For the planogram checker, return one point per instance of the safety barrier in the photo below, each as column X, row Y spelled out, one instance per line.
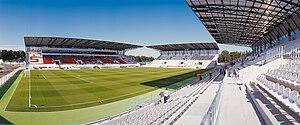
column 8, row 76
column 212, row 115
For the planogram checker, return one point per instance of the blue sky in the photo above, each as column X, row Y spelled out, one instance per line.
column 142, row 22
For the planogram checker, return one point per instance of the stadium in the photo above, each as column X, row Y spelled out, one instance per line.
column 188, row 55
column 70, row 53
column 72, row 80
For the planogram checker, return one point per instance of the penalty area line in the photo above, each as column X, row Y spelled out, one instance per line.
column 99, row 101
column 78, row 77
column 44, row 76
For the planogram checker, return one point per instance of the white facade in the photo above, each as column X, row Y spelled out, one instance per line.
column 186, row 59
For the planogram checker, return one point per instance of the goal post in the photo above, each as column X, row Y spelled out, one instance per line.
column 27, row 73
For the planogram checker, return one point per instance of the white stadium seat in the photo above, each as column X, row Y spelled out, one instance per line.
column 287, row 76
column 293, row 96
column 280, row 90
column 298, row 80
column 275, row 89
column 293, row 77
column 298, row 102
column 286, row 93
column 271, row 85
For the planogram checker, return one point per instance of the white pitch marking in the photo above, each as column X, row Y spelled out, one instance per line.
column 44, row 76
column 83, row 79
column 29, row 92
column 90, row 101
column 34, row 105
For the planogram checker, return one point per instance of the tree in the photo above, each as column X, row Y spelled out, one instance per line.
column 10, row 55
column 224, row 56
column 141, row 58
column 227, row 56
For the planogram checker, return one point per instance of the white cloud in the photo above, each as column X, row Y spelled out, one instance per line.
column 11, row 47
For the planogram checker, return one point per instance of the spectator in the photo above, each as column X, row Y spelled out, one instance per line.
column 234, row 73
column 237, row 73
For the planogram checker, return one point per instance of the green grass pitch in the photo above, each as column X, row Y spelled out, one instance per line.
column 56, row 90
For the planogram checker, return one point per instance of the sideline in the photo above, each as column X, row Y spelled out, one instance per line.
column 17, row 81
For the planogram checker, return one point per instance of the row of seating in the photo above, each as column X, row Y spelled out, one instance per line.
column 291, row 95
column 294, row 61
column 295, row 53
column 88, row 61
column 200, row 57
column 285, row 76
column 128, row 60
column 289, row 72
column 158, row 114
column 186, row 57
column 290, row 68
column 49, row 60
column 67, row 61
column 79, row 52
column 163, row 113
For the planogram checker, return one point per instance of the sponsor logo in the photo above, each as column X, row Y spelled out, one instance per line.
column 34, row 58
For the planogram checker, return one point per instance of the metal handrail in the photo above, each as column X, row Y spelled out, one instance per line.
column 212, row 115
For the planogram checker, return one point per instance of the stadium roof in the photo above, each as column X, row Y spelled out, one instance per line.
column 245, row 22
column 186, row 46
column 59, row 42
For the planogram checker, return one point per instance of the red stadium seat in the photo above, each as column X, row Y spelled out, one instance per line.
column 106, row 60
column 121, row 61
column 47, row 61
column 67, row 61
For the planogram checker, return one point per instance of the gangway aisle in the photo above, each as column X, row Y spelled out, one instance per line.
column 235, row 107
column 196, row 112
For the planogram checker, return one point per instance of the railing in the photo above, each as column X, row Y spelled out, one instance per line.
column 140, row 101
column 8, row 76
column 128, row 105
column 278, row 51
column 212, row 115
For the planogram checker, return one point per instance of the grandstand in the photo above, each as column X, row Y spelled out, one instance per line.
column 271, row 78
column 75, row 53
column 262, row 88
column 187, row 55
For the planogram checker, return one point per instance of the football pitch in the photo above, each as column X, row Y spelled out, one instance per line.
column 57, row 90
